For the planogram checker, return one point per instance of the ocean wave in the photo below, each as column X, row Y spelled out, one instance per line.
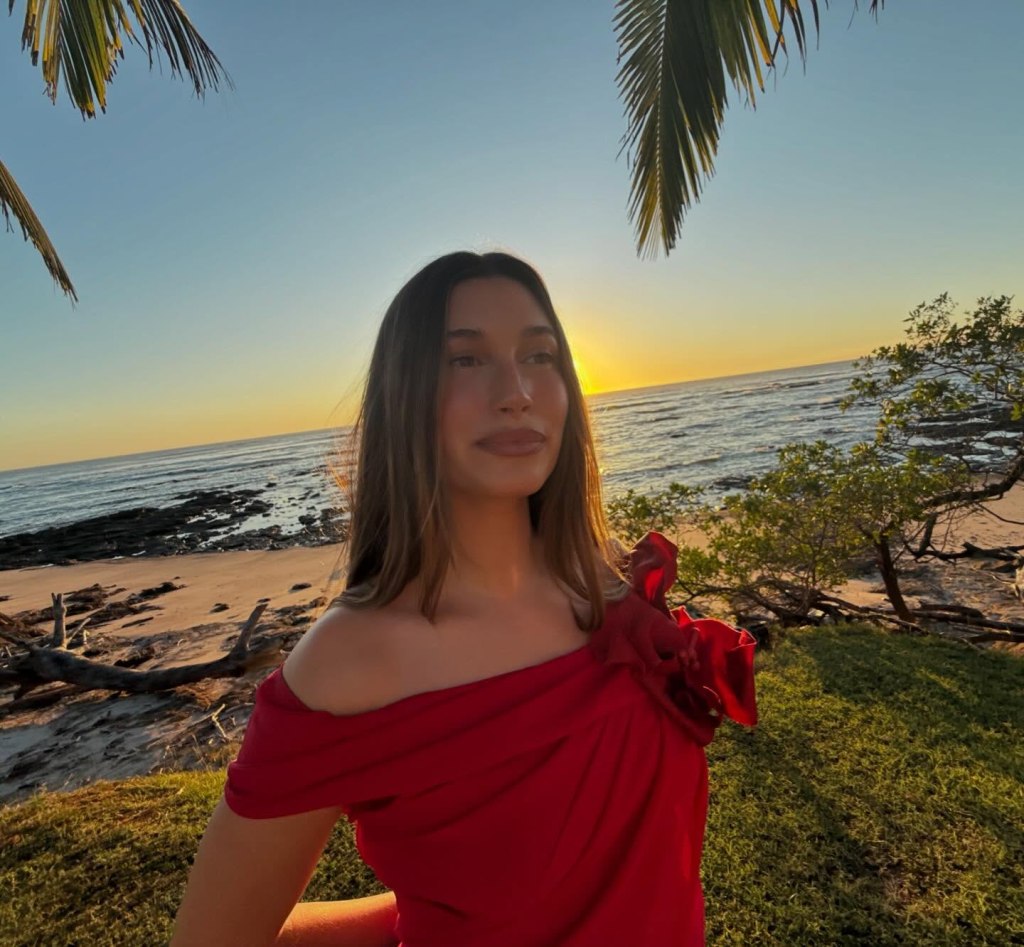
column 698, row 432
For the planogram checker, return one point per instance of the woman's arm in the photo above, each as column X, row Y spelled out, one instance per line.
column 248, row 875
column 361, row 922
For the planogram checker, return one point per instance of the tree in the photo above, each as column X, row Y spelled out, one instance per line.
column 794, row 534
column 81, row 41
column 953, row 389
column 950, row 438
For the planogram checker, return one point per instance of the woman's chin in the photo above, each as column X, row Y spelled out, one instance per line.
column 504, row 488
column 500, row 478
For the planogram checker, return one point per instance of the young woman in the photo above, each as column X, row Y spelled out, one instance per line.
column 507, row 712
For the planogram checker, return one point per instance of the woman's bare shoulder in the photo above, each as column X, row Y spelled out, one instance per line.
column 349, row 660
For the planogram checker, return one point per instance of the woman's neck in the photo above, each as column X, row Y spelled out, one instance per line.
column 495, row 553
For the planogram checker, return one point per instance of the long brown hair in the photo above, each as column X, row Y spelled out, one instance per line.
column 398, row 529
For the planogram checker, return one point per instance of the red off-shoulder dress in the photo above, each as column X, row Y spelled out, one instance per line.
column 559, row 805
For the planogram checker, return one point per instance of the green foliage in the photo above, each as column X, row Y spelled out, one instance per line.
column 80, row 42
column 797, row 529
column 699, row 572
column 946, row 367
column 877, row 802
column 632, row 515
column 790, row 525
column 884, row 498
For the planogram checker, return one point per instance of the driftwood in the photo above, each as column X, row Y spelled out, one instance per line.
column 970, row 551
column 961, row 616
column 53, row 662
column 49, row 697
column 793, row 605
column 962, row 610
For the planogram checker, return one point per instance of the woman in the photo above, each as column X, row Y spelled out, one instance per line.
column 516, row 732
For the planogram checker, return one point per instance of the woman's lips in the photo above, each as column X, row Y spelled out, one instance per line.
column 513, row 443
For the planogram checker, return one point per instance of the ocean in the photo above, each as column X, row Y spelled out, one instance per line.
column 714, row 433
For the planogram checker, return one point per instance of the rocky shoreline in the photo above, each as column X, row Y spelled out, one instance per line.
column 204, row 521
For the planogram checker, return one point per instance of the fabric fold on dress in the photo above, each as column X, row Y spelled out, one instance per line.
column 701, row 670
column 556, row 804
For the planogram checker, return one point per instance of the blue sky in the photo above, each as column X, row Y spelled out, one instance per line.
column 233, row 256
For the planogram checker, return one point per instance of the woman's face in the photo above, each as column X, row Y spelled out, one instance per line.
column 503, row 401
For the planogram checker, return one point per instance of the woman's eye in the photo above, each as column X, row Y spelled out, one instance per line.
column 542, row 358
column 463, row 361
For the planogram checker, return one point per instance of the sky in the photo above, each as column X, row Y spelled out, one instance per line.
column 233, row 256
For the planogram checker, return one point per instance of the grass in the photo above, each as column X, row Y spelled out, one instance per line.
column 880, row 801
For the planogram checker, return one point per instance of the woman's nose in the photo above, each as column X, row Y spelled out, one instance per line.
column 512, row 388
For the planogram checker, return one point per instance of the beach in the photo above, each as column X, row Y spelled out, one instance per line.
column 189, row 608
column 95, row 735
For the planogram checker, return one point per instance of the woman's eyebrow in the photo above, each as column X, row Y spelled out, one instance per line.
column 477, row 334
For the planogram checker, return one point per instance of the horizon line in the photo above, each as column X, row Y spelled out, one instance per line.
column 263, row 437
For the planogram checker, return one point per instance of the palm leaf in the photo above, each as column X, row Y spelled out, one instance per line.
column 675, row 57
column 13, row 202
column 80, row 41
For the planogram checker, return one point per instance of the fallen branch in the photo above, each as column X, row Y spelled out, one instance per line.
column 46, row 665
column 994, row 636
column 1015, row 628
column 960, row 616
column 964, row 610
column 874, row 612
column 38, row 701
column 970, row 551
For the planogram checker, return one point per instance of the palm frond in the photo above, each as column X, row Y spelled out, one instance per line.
column 80, row 41
column 674, row 59
column 13, row 202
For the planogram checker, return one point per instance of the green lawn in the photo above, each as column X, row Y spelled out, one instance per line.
column 880, row 801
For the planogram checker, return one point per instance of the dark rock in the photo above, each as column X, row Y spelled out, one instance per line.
column 75, row 603
column 205, row 521
column 220, row 607
column 161, row 589
column 733, row 482
column 299, row 586
column 139, row 531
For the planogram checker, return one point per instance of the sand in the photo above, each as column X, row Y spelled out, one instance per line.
column 977, row 583
column 101, row 736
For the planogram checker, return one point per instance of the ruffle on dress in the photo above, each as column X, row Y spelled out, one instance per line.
column 700, row 670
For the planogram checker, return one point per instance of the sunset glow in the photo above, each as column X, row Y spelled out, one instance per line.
column 243, row 300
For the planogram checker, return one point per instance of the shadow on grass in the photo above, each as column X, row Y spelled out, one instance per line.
column 108, row 864
column 879, row 801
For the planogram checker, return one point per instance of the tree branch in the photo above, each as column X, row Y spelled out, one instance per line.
column 46, row 665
